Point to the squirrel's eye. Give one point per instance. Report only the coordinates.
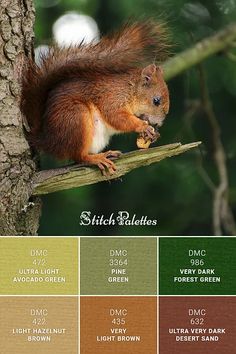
(157, 101)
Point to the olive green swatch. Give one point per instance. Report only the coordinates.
(197, 266)
(117, 266)
(38, 266)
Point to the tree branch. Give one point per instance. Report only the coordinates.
(202, 50)
(222, 213)
(78, 176)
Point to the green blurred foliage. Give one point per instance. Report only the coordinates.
(172, 191)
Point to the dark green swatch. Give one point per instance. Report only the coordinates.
(197, 266)
(117, 266)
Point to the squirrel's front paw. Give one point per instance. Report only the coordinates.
(148, 136)
(149, 133)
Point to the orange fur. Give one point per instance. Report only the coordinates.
(81, 95)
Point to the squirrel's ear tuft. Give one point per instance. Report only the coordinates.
(148, 73)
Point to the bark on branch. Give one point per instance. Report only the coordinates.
(78, 176)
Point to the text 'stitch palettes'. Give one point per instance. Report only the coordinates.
(117, 295)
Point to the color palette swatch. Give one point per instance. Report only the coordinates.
(121, 295)
(118, 324)
(35, 324)
(197, 325)
(118, 266)
(35, 266)
(197, 266)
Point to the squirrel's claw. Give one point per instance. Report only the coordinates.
(112, 155)
(106, 166)
(150, 132)
(103, 161)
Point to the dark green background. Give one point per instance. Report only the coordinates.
(173, 191)
(141, 269)
(220, 256)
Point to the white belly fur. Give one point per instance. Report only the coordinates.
(101, 136)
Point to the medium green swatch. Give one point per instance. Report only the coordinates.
(116, 266)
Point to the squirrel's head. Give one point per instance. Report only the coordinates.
(152, 95)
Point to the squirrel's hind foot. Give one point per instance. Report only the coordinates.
(103, 161)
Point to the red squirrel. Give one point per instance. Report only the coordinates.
(78, 97)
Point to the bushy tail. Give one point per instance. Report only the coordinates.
(134, 45)
(137, 44)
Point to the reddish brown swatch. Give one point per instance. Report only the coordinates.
(197, 325)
